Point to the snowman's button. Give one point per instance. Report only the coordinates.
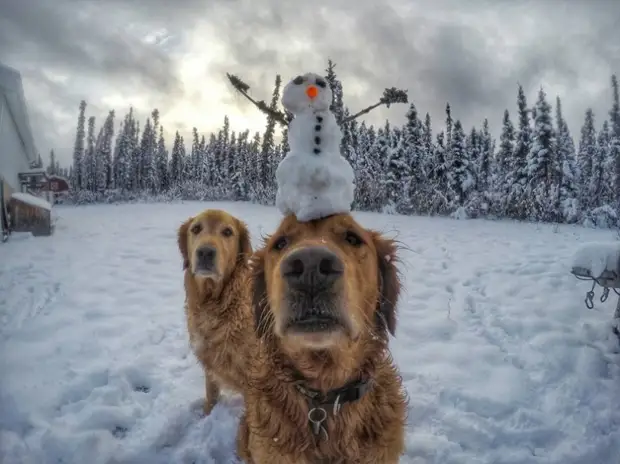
(317, 151)
(319, 118)
(317, 127)
(317, 140)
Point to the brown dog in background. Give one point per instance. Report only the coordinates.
(323, 386)
(215, 247)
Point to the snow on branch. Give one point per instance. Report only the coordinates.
(390, 96)
(243, 89)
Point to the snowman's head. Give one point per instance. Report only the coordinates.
(307, 91)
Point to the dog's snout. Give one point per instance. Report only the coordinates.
(310, 267)
(205, 257)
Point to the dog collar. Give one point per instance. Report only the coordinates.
(349, 393)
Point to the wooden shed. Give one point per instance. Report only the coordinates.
(30, 214)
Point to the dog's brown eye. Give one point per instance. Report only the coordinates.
(298, 80)
(280, 244)
(353, 239)
(227, 232)
(196, 228)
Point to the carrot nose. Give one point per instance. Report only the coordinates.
(312, 91)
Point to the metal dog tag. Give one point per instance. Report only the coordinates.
(316, 417)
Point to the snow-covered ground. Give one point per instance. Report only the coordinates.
(502, 361)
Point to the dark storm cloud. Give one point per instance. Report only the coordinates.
(440, 52)
(470, 54)
(87, 41)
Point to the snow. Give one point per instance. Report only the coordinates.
(313, 179)
(598, 258)
(32, 200)
(502, 362)
(311, 187)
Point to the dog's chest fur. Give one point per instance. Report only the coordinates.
(217, 331)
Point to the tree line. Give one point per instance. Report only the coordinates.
(534, 172)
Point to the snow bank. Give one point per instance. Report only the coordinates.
(598, 257)
(32, 200)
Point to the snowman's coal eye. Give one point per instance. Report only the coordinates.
(321, 83)
(298, 80)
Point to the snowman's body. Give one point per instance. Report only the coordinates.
(314, 180)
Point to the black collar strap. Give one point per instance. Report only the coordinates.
(349, 393)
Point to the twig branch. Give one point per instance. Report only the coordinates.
(390, 96)
(243, 88)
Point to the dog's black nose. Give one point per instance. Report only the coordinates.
(205, 258)
(312, 267)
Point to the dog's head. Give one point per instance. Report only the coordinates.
(212, 244)
(325, 284)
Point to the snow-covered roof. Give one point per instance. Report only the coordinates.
(32, 200)
(12, 89)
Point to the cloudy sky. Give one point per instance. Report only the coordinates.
(173, 55)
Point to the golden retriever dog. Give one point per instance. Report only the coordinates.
(215, 248)
(323, 387)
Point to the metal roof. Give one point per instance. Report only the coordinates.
(13, 91)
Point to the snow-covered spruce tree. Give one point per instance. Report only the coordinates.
(88, 161)
(176, 162)
(78, 149)
(438, 199)
(448, 139)
(368, 170)
(472, 145)
(414, 175)
(485, 159)
(614, 143)
(51, 169)
(148, 144)
(335, 85)
(460, 171)
(601, 187)
(587, 153)
(136, 158)
(251, 178)
(116, 177)
(268, 146)
(346, 148)
(382, 151)
(517, 201)
(229, 164)
(285, 145)
(427, 143)
(194, 157)
(603, 175)
(539, 185)
(104, 154)
(240, 168)
(397, 171)
(565, 171)
(187, 172)
(161, 163)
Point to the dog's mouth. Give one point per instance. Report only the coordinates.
(206, 273)
(313, 317)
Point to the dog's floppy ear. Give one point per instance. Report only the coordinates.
(389, 282)
(245, 245)
(259, 293)
(182, 242)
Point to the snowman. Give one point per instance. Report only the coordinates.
(314, 180)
